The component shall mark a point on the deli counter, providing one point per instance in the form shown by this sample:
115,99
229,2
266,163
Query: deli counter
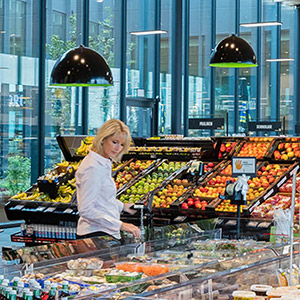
190,267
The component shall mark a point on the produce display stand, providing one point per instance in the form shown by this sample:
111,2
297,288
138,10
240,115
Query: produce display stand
159,151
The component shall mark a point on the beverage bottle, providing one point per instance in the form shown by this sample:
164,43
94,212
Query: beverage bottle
46,289
15,282
29,296
52,292
25,292
7,292
64,295
20,288
37,292
3,287
13,295
1,279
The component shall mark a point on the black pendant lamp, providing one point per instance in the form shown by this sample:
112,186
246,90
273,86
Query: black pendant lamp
81,66
233,52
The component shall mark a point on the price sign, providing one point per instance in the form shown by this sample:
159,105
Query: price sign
243,165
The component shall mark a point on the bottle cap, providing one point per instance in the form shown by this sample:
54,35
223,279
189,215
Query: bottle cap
65,282
13,292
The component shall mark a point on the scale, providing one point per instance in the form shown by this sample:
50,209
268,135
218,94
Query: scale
236,191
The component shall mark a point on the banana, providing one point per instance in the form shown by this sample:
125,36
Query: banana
63,164
82,149
89,139
19,195
32,197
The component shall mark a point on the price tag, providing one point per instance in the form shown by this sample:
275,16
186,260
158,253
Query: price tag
243,165
286,249
50,209
281,181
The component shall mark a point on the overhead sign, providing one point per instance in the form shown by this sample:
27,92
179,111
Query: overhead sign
264,126
206,123
243,165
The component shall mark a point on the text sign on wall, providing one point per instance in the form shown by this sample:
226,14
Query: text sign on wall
206,123
243,165
264,126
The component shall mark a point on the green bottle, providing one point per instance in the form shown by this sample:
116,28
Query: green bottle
64,295
13,295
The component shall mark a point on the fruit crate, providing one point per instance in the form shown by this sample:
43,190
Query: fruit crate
225,147
131,172
164,197
274,187
41,212
285,149
120,166
254,146
68,145
150,180
50,182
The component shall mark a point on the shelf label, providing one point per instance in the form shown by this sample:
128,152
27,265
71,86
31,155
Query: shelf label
264,126
268,194
243,165
255,204
206,123
50,209
286,249
281,181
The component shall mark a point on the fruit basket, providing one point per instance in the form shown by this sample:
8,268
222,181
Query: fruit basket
287,149
129,172
150,180
226,147
254,146
285,171
50,182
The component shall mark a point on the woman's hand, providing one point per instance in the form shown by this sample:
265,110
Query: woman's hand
127,208
131,228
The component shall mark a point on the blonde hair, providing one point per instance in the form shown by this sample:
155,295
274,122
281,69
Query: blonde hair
108,129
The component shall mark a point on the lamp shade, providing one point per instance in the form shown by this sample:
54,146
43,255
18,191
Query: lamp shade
81,66
233,52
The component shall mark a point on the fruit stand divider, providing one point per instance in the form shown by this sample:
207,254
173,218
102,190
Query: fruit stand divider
51,187
145,172
122,167
68,144
272,190
224,140
274,144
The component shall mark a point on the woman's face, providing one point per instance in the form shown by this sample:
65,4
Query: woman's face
112,146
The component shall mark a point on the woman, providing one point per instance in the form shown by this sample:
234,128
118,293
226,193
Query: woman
99,210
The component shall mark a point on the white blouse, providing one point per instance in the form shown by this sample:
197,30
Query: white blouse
99,210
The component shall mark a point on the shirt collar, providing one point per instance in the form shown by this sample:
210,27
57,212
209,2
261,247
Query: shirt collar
99,158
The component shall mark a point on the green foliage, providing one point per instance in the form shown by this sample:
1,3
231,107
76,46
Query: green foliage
17,175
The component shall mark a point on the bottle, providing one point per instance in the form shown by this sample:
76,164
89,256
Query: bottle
7,292
52,292
25,292
46,289
37,292
13,295
15,282
64,295
1,279
29,296
20,288
3,287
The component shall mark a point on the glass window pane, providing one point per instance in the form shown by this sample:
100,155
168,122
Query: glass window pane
287,68
247,84
104,37
164,115
62,104
199,54
224,85
19,98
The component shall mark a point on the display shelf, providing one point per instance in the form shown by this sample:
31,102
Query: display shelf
226,146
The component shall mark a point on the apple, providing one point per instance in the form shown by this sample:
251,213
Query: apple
184,205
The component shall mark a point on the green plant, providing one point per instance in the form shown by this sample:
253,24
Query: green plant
17,176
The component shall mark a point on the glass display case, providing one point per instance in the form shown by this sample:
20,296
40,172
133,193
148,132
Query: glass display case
162,264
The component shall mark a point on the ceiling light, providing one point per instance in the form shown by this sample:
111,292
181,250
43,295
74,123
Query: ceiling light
260,24
233,52
81,66
279,59
146,32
